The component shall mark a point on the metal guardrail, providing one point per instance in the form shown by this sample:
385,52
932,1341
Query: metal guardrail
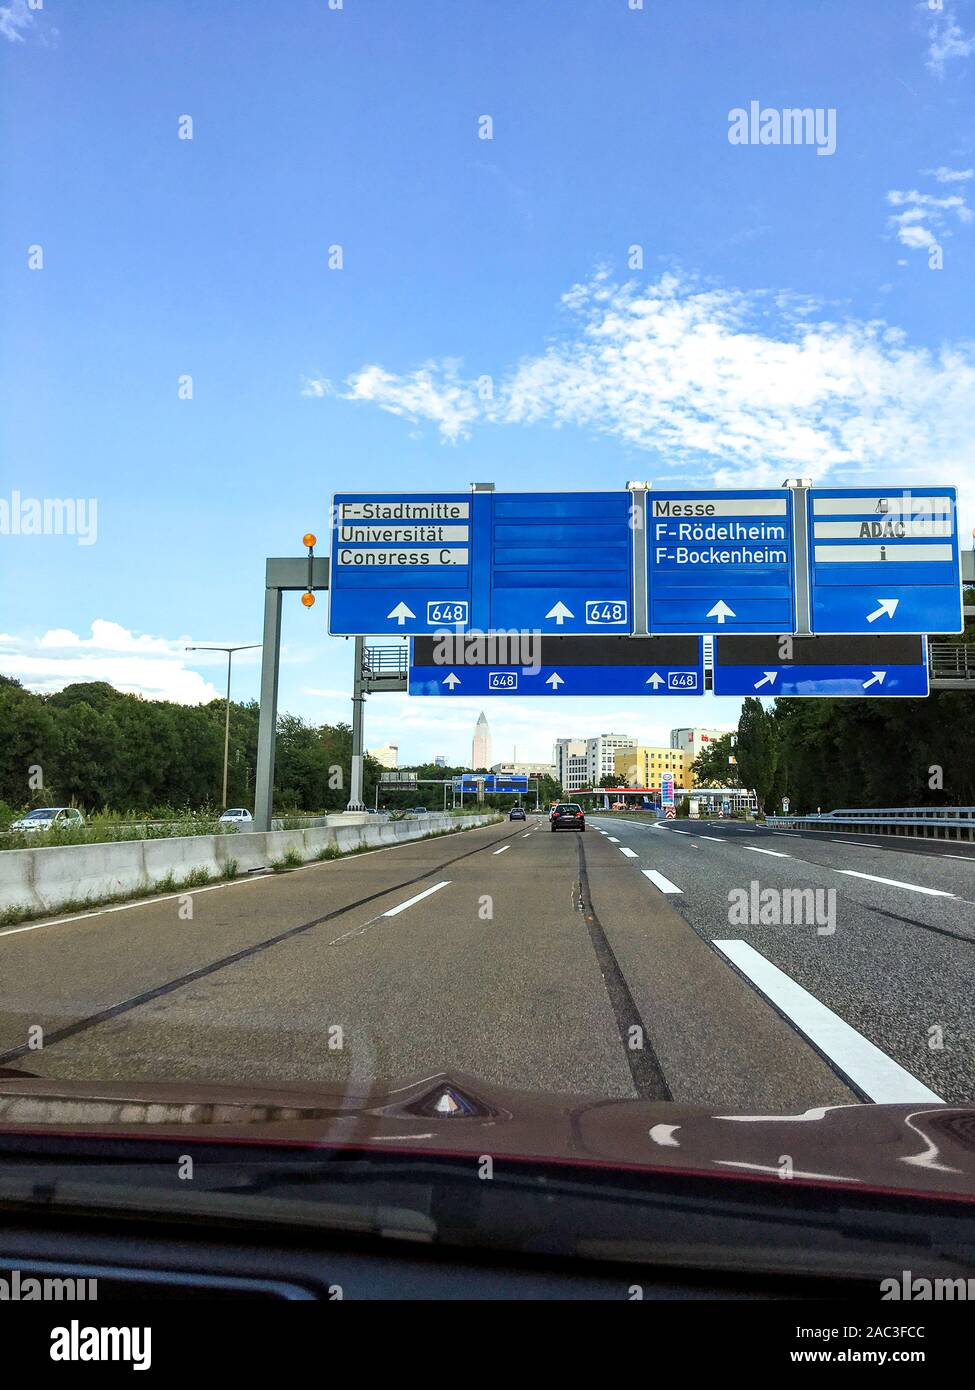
385,661
952,660
920,822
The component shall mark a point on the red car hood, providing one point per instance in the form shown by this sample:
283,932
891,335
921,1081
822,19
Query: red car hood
919,1149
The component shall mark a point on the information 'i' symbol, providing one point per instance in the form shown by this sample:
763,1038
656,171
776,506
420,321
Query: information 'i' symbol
883,552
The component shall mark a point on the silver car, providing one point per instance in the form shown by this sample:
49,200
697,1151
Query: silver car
49,818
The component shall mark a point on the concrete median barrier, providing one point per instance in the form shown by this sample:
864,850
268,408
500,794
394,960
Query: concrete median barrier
44,880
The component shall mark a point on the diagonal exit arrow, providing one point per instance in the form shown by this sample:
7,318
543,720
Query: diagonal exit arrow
876,679
555,680
767,679
887,605
401,613
721,611
656,680
450,681
559,612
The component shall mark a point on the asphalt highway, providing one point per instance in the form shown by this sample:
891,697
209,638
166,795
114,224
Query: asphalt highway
712,964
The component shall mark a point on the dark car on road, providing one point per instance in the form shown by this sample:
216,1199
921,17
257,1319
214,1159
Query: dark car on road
517,813
568,816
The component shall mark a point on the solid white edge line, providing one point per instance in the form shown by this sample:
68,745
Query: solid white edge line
630,853
417,897
877,1075
250,876
658,881
896,883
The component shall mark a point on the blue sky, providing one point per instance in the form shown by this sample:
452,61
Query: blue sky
785,319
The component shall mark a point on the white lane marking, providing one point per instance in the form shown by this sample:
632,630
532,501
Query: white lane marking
658,880
896,883
842,840
417,897
612,839
968,858
141,902
501,850
681,832
715,839
877,1075
526,834
630,853
776,853
787,834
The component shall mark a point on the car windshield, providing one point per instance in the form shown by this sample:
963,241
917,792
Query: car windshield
493,402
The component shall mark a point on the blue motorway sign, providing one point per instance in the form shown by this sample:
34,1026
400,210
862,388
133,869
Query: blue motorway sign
564,666
884,562
720,561
512,782
837,667
560,563
400,563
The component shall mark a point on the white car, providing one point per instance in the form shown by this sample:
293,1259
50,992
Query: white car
238,817
49,818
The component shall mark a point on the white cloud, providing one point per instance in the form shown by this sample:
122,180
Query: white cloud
433,392
947,41
18,18
946,175
731,387
134,662
13,18
924,217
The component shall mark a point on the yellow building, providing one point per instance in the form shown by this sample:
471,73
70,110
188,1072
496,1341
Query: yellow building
642,766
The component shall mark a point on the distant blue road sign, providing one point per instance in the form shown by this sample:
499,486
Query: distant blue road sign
720,561
565,666
492,783
883,562
837,667
400,564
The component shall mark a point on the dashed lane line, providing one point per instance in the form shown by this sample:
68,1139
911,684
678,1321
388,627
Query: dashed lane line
418,897
870,1070
658,881
896,883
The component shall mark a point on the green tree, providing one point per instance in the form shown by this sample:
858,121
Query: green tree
713,766
755,750
27,740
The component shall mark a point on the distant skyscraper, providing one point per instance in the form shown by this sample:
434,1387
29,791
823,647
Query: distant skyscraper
440,761
481,746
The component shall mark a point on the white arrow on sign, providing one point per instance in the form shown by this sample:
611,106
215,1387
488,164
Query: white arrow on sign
876,679
767,679
887,605
450,681
560,613
401,613
555,680
721,611
655,680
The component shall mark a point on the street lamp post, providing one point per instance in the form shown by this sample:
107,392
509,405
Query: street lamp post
244,647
